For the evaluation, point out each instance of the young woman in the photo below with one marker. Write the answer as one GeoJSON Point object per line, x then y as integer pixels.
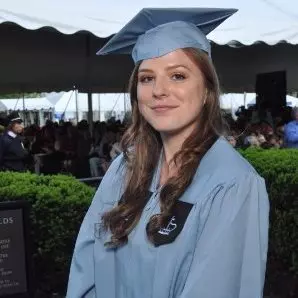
{"type": "Point", "coordinates": [180, 214]}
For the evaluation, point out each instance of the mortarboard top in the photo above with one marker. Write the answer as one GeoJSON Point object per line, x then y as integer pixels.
{"type": "Point", "coordinates": [154, 32]}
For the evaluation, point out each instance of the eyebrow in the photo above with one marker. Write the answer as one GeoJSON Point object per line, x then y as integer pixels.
{"type": "Point", "coordinates": [167, 68]}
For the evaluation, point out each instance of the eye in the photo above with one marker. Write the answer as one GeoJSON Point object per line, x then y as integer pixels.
{"type": "Point", "coordinates": [145, 79]}
{"type": "Point", "coordinates": [178, 77]}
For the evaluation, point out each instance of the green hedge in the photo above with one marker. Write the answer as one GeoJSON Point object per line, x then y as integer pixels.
{"type": "Point", "coordinates": [280, 170]}
{"type": "Point", "coordinates": [59, 204]}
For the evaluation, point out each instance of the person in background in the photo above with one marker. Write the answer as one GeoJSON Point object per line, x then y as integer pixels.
{"type": "Point", "coordinates": [116, 146]}
{"type": "Point", "coordinates": [83, 149]}
{"type": "Point", "coordinates": [99, 156]}
{"type": "Point", "coordinates": [232, 140]}
{"type": "Point", "coordinates": [261, 139]}
{"type": "Point", "coordinates": [291, 131]}
{"type": "Point", "coordinates": [12, 152]}
{"type": "Point", "coordinates": [2, 129]}
{"type": "Point", "coordinates": [251, 140]}
{"type": "Point", "coordinates": [274, 141]}
{"type": "Point", "coordinates": [2, 123]}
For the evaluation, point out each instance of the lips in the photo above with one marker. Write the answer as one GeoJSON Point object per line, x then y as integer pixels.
{"type": "Point", "coordinates": [163, 108]}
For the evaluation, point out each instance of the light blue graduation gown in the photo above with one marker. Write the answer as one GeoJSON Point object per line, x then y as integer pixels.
{"type": "Point", "coordinates": [220, 253]}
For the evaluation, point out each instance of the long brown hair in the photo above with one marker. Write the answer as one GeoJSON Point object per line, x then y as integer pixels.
{"type": "Point", "coordinates": [142, 147]}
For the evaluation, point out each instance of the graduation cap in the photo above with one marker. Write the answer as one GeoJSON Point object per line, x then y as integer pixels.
{"type": "Point", "coordinates": [154, 32]}
{"type": "Point", "coordinates": [14, 117]}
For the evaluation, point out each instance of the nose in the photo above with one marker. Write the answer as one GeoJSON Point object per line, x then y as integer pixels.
{"type": "Point", "coordinates": [160, 88]}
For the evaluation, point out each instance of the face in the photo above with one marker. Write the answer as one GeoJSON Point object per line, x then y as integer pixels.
{"type": "Point", "coordinates": [17, 128]}
{"type": "Point", "coordinates": [261, 139]}
{"type": "Point", "coordinates": [232, 141]}
{"type": "Point", "coordinates": [171, 92]}
{"type": "Point", "coordinates": [273, 141]}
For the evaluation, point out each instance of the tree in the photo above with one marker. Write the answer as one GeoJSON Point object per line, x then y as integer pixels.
{"type": "Point", "coordinates": [19, 95]}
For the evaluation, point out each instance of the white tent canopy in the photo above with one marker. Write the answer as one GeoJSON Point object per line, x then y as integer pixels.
{"type": "Point", "coordinates": [113, 104]}
{"type": "Point", "coordinates": [2, 107]}
{"type": "Point", "coordinates": [231, 101]}
{"type": "Point", "coordinates": [28, 104]}
{"type": "Point", "coordinates": [61, 53]}
{"type": "Point", "coordinates": [102, 102]}
{"type": "Point", "coordinates": [269, 21]}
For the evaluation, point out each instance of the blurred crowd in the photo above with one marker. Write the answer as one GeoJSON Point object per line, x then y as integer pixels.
{"type": "Point", "coordinates": [66, 148]}
{"type": "Point", "coordinates": [74, 149]}
{"type": "Point", "coordinates": [255, 129]}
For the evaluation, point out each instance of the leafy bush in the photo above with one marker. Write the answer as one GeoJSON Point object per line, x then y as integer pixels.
{"type": "Point", "coordinates": [280, 170]}
{"type": "Point", "coordinates": [59, 204]}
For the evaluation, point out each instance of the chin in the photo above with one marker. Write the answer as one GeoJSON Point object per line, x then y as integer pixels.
{"type": "Point", "coordinates": [167, 128]}
{"type": "Point", "coordinates": [172, 127]}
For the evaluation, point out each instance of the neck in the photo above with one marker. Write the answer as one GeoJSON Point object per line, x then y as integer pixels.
{"type": "Point", "coordinates": [172, 144]}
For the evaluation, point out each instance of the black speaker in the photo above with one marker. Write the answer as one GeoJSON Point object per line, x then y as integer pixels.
{"type": "Point", "coordinates": [271, 90]}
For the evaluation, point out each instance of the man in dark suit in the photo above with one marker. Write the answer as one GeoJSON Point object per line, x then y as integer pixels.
{"type": "Point", "coordinates": [12, 151]}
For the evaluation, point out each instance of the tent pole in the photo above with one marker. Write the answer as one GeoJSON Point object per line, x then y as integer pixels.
{"type": "Point", "coordinates": [77, 106]}
{"type": "Point", "coordinates": [244, 99]}
{"type": "Point", "coordinates": [88, 83]}
{"type": "Point", "coordinates": [24, 116]}
{"type": "Point", "coordinates": [99, 107]}
{"type": "Point", "coordinates": [90, 111]}
{"type": "Point", "coordinates": [124, 104]}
